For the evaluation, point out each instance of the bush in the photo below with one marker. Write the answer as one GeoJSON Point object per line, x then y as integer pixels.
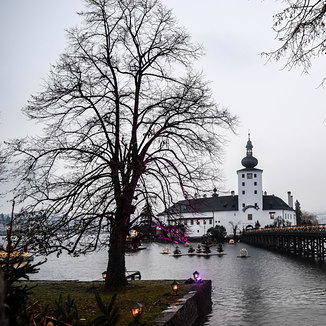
{"type": "Point", "coordinates": [66, 311]}
{"type": "Point", "coordinates": [177, 251]}
{"type": "Point", "coordinates": [191, 250]}
{"type": "Point", "coordinates": [220, 248]}
{"type": "Point", "coordinates": [110, 314]}
{"type": "Point", "coordinates": [217, 233]}
{"type": "Point", "coordinates": [14, 266]}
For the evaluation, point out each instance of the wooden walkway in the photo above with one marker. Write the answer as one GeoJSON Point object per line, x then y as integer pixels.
{"type": "Point", "coordinates": [304, 241]}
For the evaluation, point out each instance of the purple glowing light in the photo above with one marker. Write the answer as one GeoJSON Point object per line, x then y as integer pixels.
{"type": "Point", "coordinates": [196, 276]}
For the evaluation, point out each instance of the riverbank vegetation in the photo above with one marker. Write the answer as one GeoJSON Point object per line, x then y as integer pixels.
{"type": "Point", "coordinates": [155, 296]}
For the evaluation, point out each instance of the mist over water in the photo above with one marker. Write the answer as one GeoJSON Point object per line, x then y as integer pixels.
{"type": "Point", "coordinates": [265, 289]}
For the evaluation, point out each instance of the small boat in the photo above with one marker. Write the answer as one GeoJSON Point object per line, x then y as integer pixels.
{"type": "Point", "coordinates": [165, 251]}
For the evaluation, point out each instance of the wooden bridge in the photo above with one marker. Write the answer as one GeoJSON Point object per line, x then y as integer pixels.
{"type": "Point", "coordinates": [304, 241]}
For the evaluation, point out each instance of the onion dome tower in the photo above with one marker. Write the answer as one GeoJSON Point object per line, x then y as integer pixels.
{"type": "Point", "coordinates": [249, 161]}
{"type": "Point", "coordinates": [250, 197]}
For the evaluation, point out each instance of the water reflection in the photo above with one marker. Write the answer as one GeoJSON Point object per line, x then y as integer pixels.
{"type": "Point", "coordinates": [264, 289]}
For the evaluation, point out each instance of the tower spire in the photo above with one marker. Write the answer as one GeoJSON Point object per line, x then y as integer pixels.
{"type": "Point", "coordinates": [249, 146]}
{"type": "Point", "coordinates": [249, 161]}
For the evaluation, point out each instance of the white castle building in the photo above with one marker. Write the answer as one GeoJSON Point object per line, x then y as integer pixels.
{"type": "Point", "coordinates": [249, 209]}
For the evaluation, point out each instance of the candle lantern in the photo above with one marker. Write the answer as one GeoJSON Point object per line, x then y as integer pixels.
{"type": "Point", "coordinates": [175, 287]}
{"type": "Point", "coordinates": [136, 310]}
{"type": "Point", "coordinates": [197, 277]}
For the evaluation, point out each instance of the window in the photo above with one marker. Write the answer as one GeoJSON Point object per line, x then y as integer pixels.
{"type": "Point", "coordinates": [272, 215]}
{"type": "Point", "coordinates": [255, 183]}
{"type": "Point", "coordinates": [243, 192]}
{"type": "Point", "coordinates": [255, 192]}
{"type": "Point", "coordinates": [197, 230]}
{"type": "Point", "coordinates": [255, 175]}
{"type": "Point", "coordinates": [210, 221]}
{"type": "Point", "coordinates": [243, 183]}
{"type": "Point", "coordinates": [204, 221]}
{"type": "Point", "coordinates": [186, 222]}
{"type": "Point", "coordinates": [249, 217]}
{"type": "Point", "coordinates": [249, 175]}
{"type": "Point", "coordinates": [192, 222]}
{"type": "Point", "coordinates": [243, 205]}
{"type": "Point", "coordinates": [198, 222]}
{"type": "Point", "coordinates": [243, 175]}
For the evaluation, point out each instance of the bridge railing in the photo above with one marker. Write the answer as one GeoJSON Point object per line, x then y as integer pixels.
{"type": "Point", "coordinates": [304, 228]}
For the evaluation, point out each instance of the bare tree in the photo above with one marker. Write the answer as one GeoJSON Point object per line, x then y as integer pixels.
{"type": "Point", "coordinates": [3, 169]}
{"type": "Point", "coordinates": [128, 122]}
{"type": "Point", "coordinates": [235, 227]}
{"type": "Point", "coordinates": [3, 160]}
{"type": "Point", "coordinates": [300, 27]}
{"type": "Point", "coordinates": [309, 218]}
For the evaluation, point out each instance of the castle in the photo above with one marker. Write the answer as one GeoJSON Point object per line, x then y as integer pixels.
{"type": "Point", "coordinates": [249, 209]}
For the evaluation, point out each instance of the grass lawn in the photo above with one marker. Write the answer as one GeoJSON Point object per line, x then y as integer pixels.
{"type": "Point", "coordinates": [155, 296]}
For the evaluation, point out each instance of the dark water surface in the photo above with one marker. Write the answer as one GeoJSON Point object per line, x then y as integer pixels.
{"type": "Point", "coordinates": [265, 289]}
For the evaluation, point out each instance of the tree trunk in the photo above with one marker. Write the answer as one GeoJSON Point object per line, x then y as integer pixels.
{"type": "Point", "coordinates": [235, 234]}
{"type": "Point", "coordinates": [116, 270]}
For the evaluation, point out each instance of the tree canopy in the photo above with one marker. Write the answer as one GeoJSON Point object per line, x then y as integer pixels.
{"type": "Point", "coordinates": [309, 218]}
{"type": "Point", "coordinates": [298, 212]}
{"type": "Point", "coordinates": [216, 233]}
{"type": "Point", "coordinates": [128, 122]}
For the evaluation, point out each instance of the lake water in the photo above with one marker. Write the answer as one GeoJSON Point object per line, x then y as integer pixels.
{"type": "Point", "coordinates": [265, 289]}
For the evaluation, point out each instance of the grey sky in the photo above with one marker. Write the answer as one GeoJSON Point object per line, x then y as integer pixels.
{"type": "Point", "coordinates": [285, 111]}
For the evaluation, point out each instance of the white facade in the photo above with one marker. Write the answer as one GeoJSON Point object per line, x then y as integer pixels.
{"type": "Point", "coordinates": [250, 188]}
{"type": "Point", "coordinates": [250, 208]}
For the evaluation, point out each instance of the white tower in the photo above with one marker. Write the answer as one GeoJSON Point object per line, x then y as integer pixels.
{"type": "Point", "coordinates": [250, 198]}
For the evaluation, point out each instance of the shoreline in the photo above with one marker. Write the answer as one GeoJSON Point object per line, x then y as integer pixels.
{"type": "Point", "coordinates": [155, 296]}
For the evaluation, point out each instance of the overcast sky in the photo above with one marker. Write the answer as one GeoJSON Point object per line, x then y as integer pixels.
{"type": "Point", "coordinates": [284, 110]}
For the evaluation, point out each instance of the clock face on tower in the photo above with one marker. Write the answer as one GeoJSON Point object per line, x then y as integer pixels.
{"type": "Point", "coordinates": [249, 175]}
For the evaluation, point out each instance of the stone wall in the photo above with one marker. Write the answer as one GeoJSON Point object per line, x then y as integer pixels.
{"type": "Point", "coordinates": [195, 304]}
